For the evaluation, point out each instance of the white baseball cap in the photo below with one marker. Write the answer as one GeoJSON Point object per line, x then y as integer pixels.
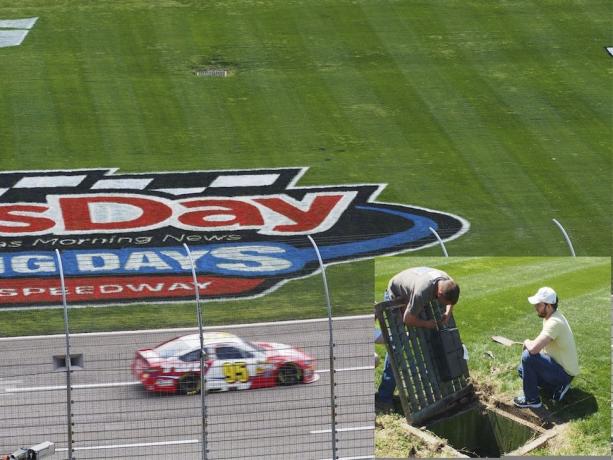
{"type": "Point", "coordinates": [545, 295]}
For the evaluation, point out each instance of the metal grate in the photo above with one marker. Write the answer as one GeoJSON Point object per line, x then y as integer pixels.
{"type": "Point", "coordinates": [423, 392]}
{"type": "Point", "coordinates": [212, 73]}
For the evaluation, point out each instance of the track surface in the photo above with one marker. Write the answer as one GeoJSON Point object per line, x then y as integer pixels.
{"type": "Point", "coordinates": [125, 421]}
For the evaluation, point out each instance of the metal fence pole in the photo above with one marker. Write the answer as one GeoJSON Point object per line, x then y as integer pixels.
{"type": "Point", "coordinates": [202, 352]}
{"type": "Point", "coordinates": [331, 345]}
{"type": "Point", "coordinates": [68, 360]}
{"type": "Point", "coordinates": [440, 241]}
{"type": "Point", "coordinates": [566, 237]}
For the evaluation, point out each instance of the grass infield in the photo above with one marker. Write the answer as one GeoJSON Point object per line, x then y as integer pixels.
{"type": "Point", "coordinates": [493, 301]}
{"type": "Point", "coordinates": [350, 287]}
{"type": "Point", "coordinates": [496, 111]}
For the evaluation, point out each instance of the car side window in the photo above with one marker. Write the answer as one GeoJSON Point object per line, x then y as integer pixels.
{"type": "Point", "coordinates": [229, 352]}
{"type": "Point", "coordinates": [191, 356]}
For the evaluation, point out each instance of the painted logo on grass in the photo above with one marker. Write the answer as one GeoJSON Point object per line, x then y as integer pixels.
{"type": "Point", "coordinates": [121, 235]}
{"type": "Point", "coordinates": [14, 31]}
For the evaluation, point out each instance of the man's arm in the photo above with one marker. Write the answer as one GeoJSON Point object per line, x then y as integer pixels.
{"type": "Point", "coordinates": [535, 346]}
{"type": "Point", "coordinates": [411, 320]}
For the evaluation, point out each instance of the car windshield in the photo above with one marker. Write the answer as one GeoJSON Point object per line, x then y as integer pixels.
{"type": "Point", "coordinates": [172, 349]}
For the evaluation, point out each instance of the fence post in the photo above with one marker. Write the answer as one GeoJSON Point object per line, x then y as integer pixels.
{"type": "Point", "coordinates": [202, 352]}
{"type": "Point", "coordinates": [566, 237]}
{"type": "Point", "coordinates": [440, 241]}
{"type": "Point", "coordinates": [68, 360]}
{"type": "Point", "coordinates": [331, 346]}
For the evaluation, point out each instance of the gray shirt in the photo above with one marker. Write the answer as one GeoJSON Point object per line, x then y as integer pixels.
{"type": "Point", "coordinates": [416, 285]}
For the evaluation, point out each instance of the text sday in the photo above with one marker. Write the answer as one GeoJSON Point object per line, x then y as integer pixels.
{"type": "Point", "coordinates": [111, 213]}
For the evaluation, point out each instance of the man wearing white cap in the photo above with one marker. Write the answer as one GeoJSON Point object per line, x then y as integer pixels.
{"type": "Point", "coordinates": [550, 360]}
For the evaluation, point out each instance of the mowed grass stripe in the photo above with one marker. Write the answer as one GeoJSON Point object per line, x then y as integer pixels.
{"type": "Point", "coordinates": [558, 93]}
{"type": "Point", "coordinates": [563, 151]}
{"type": "Point", "coordinates": [30, 106]}
{"type": "Point", "coordinates": [412, 140]}
{"type": "Point", "coordinates": [206, 127]}
{"type": "Point", "coordinates": [513, 129]}
{"type": "Point", "coordinates": [413, 127]}
{"type": "Point", "coordinates": [274, 84]}
{"type": "Point", "coordinates": [72, 87]}
{"type": "Point", "coordinates": [456, 112]}
{"type": "Point", "coordinates": [152, 83]}
{"type": "Point", "coordinates": [461, 86]}
{"type": "Point", "coordinates": [115, 107]}
{"type": "Point", "coordinates": [505, 133]}
{"type": "Point", "coordinates": [353, 107]}
{"type": "Point", "coordinates": [573, 40]}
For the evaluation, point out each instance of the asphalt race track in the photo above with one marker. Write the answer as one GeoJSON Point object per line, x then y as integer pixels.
{"type": "Point", "coordinates": [114, 417]}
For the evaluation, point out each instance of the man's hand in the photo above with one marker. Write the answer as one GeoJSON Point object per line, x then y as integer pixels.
{"type": "Point", "coordinates": [447, 314]}
{"type": "Point", "coordinates": [414, 321]}
{"type": "Point", "coordinates": [535, 346]}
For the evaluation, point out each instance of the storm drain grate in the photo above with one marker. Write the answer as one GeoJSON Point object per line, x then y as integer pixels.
{"type": "Point", "coordinates": [219, 73]}
{"type": "Point", "coordinates": [429, 366]}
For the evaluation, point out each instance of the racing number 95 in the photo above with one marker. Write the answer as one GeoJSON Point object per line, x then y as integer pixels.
{"type": "Point", "coordinates": [236, 372]}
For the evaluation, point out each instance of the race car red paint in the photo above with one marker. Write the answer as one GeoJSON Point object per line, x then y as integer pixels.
{"type": "Point", "coordinates": [230, 363]}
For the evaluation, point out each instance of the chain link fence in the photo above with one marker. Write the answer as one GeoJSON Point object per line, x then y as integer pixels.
{"type": "Point", "coordinates": [298, 389]}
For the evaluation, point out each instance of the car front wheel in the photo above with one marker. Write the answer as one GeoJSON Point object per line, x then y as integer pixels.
{"type": "Point", "coordinates": [289, 374]}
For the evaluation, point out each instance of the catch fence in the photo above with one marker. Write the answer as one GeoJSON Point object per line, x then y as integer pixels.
{"type": "Point", "coordinates": [96, 406]}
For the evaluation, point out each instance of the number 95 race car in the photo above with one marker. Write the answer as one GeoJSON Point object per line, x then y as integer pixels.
{"type": "Point", "coordinates": [230, 363]}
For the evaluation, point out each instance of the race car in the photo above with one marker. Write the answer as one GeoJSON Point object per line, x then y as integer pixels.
{"type": "Point", "coordinates": [230, 363]}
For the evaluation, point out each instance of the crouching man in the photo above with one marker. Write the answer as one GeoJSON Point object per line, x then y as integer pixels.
{"type": "Point", "coordinates": [550, 360]}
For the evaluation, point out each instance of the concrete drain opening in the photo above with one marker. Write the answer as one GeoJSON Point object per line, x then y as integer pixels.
{"type": "Point", "coordinates": [479, 431]}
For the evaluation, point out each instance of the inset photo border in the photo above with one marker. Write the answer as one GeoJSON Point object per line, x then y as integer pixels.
{"type": "Point", "coordinates": [503, 322]}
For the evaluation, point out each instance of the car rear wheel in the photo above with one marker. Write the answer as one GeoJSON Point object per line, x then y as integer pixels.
{"type": "Point", "coordinates": [189, 384]}
{"type": "Point", "coordinates": [289, 374]}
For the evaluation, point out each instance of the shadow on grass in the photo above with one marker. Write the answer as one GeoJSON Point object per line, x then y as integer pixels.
{"type": "Point", "coordinates": [577, 404]}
